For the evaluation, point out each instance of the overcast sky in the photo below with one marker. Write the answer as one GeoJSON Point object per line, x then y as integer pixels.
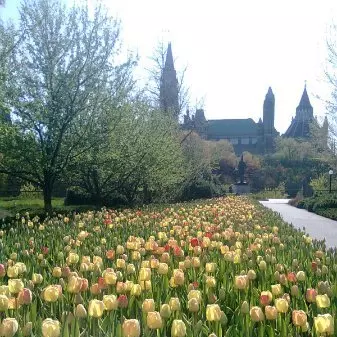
{"type": "Point", "coordinates": [235, 50]}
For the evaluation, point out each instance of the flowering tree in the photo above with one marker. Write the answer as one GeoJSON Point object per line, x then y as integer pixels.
{"type": "Point", "coordinates": [61, 90]}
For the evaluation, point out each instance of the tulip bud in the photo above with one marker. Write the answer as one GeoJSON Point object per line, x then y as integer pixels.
{"type": "Point", "coordinates": [310, 295]}
{"type": "Point", "coordinates": [27, 329]}
{"type": "Point", "coordinates": [222, 294]}
{"type": "Point", "coordinates": [80, 311]}
{"type": "Point", "coordinates": [193, 305]}
{"type": "Point", "coordinates": [300, 276]}
{"type": "Point", "coordinates": [276, 289]}
{"type": "Point", "coordinates": [251, 274]}
{"type": "Point", "coordinates": [165, 311]}
{"type": "Point", "coordinates": [245, 307]}
{"type": "Point", "coordinates": [294, 290]}
{"type": "Point", "coordinates": [263, 265]}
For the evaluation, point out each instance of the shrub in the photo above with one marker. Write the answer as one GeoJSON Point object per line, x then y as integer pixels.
{"type": "Point", "coordinates": [29, 191]}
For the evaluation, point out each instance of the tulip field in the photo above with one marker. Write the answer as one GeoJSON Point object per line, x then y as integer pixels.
{"type": "Point", "coordinates": [223, 267]}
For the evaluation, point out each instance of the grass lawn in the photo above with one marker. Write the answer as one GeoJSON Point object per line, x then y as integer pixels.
{"type": "Point", "coordinates": [9, 207]}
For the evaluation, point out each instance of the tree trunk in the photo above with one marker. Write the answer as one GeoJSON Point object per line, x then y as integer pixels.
{"type": "Point", "coordinates": [47, 194]}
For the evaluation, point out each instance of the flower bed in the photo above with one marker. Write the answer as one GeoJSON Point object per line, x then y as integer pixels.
{"type": "Point", "coordinates": [226, 267]}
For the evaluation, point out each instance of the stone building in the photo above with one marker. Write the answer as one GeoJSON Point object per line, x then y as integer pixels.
{"type": "Point", "coordinates": [301, 124]}
{"type": "Point", "coordinates": [243, 134]}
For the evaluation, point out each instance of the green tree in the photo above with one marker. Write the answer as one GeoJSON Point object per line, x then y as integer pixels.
{"type": "Point", "coordinates": [61, 90]}
{"type": "Point", "coordinates": [140, 160]}
{"type": "Point", "coordinates": [293, 149]}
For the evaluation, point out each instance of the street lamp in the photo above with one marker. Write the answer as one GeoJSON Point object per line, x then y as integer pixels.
{"type": "Point", "coordinates": [330, 176]}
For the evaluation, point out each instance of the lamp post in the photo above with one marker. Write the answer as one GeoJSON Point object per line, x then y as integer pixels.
{"type": "Point", "coordinates": [330, 176]}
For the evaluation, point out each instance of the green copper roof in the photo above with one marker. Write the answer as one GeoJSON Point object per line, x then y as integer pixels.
{"type": "Point", "coordinates": [231, 128]}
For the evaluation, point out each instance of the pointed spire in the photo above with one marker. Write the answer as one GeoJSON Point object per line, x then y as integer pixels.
{"type": "Point", "coordinates": [270, 93]}
{"type": "Point", "coordinates": [326, 122]}
{"type": "Point", "coordinates": [169, 58]}
{"type": "Point", "coordinates": [305, 102]}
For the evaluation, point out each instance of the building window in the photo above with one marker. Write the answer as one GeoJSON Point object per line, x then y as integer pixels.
{"type": "Point", "coordinates": [234, 141]}
{"type": "Point", "coordinates": [245, 141]}
{"type": "Point", "coordinates": [254, 140]}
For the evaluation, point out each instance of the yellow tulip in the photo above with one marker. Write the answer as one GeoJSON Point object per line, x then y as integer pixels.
{"type": "Point", "coordinates": [57, 272]}
{"type": "Point", "coordinates": [110, 277]}
{"type": "Point", "coordinates": [210, 267]}
{"type": "Point", "coordinates": [324, 324]}
{"type": "Point", "coordinates": [281, 305]}
{"type": "Point", "coordinates": [37, 278]}
{"type": "Point", "coordinates": [110, 302]}
{"type": "Point", "coordinates": [299, 318]}
{"type": "Point", "coordinates": [144, 274]}
{"type": "Point", "coordinates": [120, 264]}
{"type": "Point", "coordinates": [162, 268]}
{"type": "Point", "coordinates": [148, 305]}
{"type": "Point", "coordinates": [9, 327]}
{"type": "Point", "coordinates": [131, 328]}
{"type": "Point", "coordinates": [256, 314]}
{"type": "Point", "coordinates": [323, 301]}
{"type": "Point", "coordinates": [51, 293]}
{"type": "Point", "coordinates": [154, 320]}
{"type": "Point", "coordinates": [72, 258]}
{"type": "Point", "coordinates": [213, 312]}
{"type": "Point", "coordinates": [96, 308]}
{"type": "Point", "coordinates": [271, 312]}
{"type": "Point", "coordinates": [179, 277]}
{"type": "Point", "coordinates": [15, 285]}
{"type": "Point", "coordinates": [3, 302]}
{"type": "Point", "coordinates": [4, 290]}
{"type": "Point", "coordinates": [178, 328]}
{"type": "Point", "coordinates": [12, 271]}
{"type": "Point", "coordinates": [195, 294]}
{"type": "Point", "coordinates": [51, 328]}
{"type": "Point", "coordinates": [276, 289]}
{"type": "Point", "coordinates": [174, 304]}
{"type": "Point", "coordinates": [136, 290]}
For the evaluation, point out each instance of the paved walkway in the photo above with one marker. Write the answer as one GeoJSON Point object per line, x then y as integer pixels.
{"type": "Point", "coordinates": [316, 226]}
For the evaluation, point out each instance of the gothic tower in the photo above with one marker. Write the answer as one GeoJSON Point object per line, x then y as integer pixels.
{"type": "Point", "coordinates": [300, 125]}
{"type": "Point", "coordinates": [268, 121]}
{"type": "Point", "coordinates": [169, 102]}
